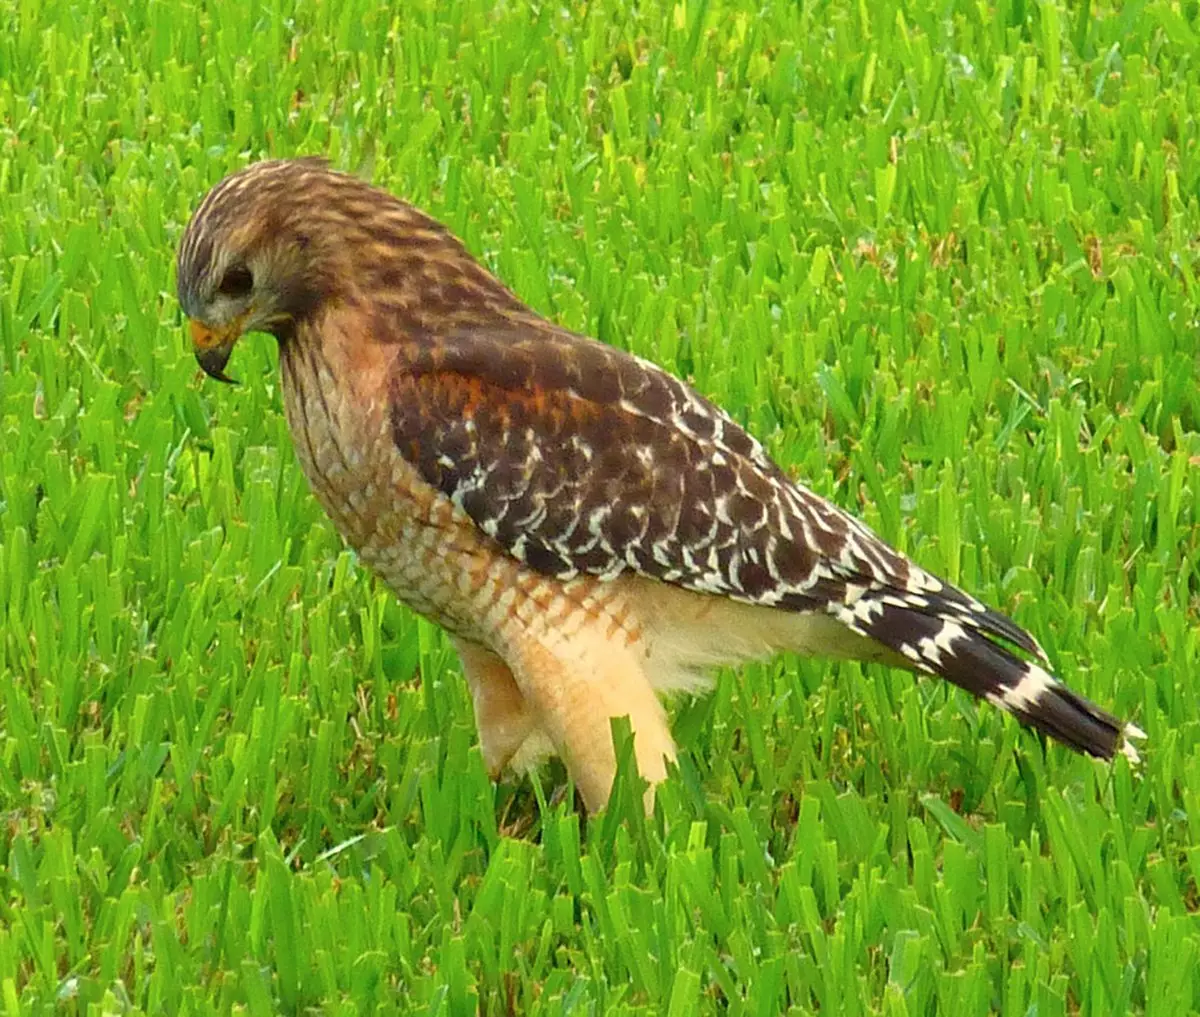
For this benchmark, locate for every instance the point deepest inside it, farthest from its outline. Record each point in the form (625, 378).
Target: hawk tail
(947, 645)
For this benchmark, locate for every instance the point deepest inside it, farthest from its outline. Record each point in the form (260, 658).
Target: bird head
(256, 257)
(274, 245)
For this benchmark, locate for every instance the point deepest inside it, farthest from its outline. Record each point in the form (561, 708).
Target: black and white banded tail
(955, 637)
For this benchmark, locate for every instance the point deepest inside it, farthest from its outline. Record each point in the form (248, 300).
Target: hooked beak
(214, 346)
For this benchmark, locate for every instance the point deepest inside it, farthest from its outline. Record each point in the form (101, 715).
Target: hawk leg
(575, 693)
(502, 716)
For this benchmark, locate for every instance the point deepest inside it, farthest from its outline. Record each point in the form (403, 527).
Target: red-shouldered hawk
(589, 530)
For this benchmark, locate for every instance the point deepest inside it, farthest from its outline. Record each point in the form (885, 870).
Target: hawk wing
(578, 458)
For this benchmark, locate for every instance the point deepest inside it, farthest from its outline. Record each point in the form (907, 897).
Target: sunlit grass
(943, 263)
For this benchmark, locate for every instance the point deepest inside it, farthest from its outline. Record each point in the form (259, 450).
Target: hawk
(589, 530)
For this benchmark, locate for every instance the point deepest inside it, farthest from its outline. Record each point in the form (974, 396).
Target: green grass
(944, 263)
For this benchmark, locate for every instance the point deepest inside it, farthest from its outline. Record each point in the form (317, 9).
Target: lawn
(943, 262)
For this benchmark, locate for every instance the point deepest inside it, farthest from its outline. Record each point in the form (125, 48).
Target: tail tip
(1130, 734)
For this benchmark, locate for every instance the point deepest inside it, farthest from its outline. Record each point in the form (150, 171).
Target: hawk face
(276, 245)
(249, 260)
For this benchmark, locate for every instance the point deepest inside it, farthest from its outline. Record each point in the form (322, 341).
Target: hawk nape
(589, 530)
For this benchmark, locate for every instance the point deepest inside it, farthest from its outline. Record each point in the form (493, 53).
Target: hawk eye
(238, 281)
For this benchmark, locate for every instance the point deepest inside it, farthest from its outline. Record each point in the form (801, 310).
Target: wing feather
(579, 458)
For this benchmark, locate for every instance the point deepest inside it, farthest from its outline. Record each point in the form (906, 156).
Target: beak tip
(212, 362)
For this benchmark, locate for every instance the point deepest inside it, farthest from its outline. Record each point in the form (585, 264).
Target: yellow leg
(502, 716)
(575, 688)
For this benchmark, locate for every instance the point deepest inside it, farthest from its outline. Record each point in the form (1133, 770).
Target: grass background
(943, 261)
